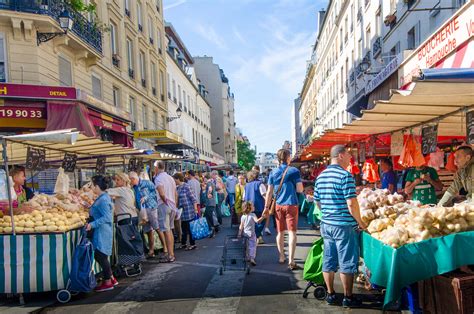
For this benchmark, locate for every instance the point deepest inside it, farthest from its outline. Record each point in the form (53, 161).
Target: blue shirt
(253, 195)
(102, 214)
(388, 178)
(186, 201)
(287, 195)
(230, 184)
(146, 189)
(333, 187)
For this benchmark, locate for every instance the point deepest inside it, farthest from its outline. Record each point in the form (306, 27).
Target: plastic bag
(371, 171)
(199, 228)
(225, 210)
(437, 159)
(450, 165)
(411, 155)
(62, 183)
(142, 216)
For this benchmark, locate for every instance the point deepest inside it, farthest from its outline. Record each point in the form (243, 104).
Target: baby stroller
(81, 277)
(313, 271)
(129, 247)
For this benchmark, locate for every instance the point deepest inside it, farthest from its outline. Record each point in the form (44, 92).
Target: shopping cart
(128, 247)
(234, 255)
(313, 273)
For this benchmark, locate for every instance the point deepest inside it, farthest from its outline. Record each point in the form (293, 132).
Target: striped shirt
(333, 187)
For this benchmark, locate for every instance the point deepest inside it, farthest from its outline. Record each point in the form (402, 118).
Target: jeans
(186, 228)
(259, 226)
(231, 199)
(103, 261)
(208, 214)
(220, 199)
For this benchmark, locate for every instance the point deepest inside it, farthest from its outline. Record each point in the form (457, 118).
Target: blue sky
(262, 46)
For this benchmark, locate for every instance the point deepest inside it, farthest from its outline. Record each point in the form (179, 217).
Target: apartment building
(110, 65)
(186, 96)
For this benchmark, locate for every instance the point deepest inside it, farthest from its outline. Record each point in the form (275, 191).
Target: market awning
(358, 105)
(442, 102)
(463, 75)
(165, 139)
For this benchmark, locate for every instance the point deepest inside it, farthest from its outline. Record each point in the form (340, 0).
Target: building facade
(113, 58)
(188, 94)
(359, 54)
(267, 161)
(221, 99)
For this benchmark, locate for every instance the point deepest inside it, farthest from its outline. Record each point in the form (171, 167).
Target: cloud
(173, 5)
(239, 36)
(210, 34)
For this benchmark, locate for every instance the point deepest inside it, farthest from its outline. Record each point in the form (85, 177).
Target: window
(393, 6)
(131, 108)
(139, 17)
(162, 85)
(411, 38)
(179, 94)
(127, 7)
(155, 120)
(163, 122)
(3, 63)
(367, 37)
(130, 57)
(184, 101)
(342, 79)
(96, 86)
(65, 72)
(174, 90)
(116, 96)
(142, 68)
(151, 33)
(378, 22)
(153, 78)
(159, 41)
(113, 38)
(144, 117)
(395, 49)
(359, 49)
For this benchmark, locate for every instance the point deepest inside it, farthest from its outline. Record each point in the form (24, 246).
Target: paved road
(193, 285)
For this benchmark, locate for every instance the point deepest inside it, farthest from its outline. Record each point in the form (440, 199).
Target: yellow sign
(158, 134)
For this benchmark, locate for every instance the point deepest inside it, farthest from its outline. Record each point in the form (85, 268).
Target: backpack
(82, 278)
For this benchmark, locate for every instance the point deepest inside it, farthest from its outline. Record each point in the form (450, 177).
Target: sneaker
(267, 231)
(260, 240)
(331, 299)
(104, 287)
(114, 281)
(351, 302)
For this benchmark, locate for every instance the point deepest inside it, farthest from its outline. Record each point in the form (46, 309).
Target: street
(193, 285)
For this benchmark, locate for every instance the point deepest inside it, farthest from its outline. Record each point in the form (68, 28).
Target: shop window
(116, 96)
(65, 72)
(96, 86)
(3, 61)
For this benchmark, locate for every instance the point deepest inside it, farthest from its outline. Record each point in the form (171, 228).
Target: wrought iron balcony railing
(377, 46)
(84, 29)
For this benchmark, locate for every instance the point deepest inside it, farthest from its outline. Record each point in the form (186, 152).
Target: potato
(19, 229)
(29, 230)
(41, 229)
(7, 230)
(52, 228)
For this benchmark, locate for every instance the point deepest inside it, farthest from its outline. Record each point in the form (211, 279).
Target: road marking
(252, 270)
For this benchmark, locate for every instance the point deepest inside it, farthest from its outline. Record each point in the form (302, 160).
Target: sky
(262, 46)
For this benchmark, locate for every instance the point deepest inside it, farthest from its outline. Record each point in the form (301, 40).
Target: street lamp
(65, 22)
(178, 115)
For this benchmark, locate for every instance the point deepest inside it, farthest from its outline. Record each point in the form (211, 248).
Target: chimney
(321, 15)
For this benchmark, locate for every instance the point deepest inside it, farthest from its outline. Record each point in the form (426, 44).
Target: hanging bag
(274, 198)
(199, 228)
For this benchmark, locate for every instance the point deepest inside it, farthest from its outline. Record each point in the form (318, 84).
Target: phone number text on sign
(22, 113)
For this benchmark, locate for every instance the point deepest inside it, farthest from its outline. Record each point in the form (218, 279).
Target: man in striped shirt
(335, 195)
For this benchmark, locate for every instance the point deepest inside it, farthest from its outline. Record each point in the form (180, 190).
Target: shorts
(286, 217)
(341, 248)
(152, 223)
(165, 217)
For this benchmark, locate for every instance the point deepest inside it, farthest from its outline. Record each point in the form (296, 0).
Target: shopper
(389, 178)
(195, 186)
(286, 213)
(463, 158)
(247, 227)
(239, 195)
(255, 192)
(210, 196)
(100, 222)
(422, 184)
(124, 200)
(167, 196)
(146, 198)
(335, 194)
(230, 184)
(188, 202)
(221, 193)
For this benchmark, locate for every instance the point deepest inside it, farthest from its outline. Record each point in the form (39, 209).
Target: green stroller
(313, 271)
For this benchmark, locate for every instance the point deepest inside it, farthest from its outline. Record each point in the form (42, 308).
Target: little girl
(247, 226)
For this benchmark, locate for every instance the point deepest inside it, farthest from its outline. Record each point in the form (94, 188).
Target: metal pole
(10, 202)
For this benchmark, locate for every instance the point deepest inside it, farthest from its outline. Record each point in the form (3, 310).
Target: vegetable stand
(397, 268)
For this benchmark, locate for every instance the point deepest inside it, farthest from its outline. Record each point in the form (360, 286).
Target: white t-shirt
(196, 189)
(249, 224)
(169, 187)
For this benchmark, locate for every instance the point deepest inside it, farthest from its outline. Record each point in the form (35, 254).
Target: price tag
(100, 165)
(470, 127)
(396, 145)
(69, 162)
(35, 158)
(429, 139)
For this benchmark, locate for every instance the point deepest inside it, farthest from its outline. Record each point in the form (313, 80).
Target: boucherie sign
(456, 31)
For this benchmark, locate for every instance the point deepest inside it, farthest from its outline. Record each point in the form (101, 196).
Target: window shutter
(65, 72)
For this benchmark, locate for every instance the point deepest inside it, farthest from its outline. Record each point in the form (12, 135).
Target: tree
(246, 156)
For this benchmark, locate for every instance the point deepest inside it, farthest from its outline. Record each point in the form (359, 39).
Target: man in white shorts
(167, 196)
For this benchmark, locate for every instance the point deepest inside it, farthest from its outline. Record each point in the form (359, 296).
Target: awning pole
(10, 202)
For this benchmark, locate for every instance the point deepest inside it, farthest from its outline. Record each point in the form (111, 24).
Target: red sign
(36, 91)
(22, 113)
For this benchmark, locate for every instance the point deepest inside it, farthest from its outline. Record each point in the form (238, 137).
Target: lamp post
(178, 115)
(65, 22)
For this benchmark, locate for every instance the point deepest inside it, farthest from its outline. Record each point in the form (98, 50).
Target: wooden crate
(449, 293)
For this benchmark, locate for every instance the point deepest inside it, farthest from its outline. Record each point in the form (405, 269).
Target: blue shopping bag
(225, 210)
(82, 278)
(199, 228)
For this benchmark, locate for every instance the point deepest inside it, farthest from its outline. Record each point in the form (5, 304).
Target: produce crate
(448, 293)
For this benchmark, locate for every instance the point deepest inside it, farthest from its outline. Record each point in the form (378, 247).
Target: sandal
(150, 255)
(189, 248)
(282, 260)
(293, 266)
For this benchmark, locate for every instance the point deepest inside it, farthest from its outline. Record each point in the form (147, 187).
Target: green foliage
(80, 6)
(246, 156)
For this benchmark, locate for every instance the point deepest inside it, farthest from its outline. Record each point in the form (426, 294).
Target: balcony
(131, 73)
(151, 41)
(162, 97)
(116, 60)
(127, 12)
(377, 47)
(143, 82)
(85, 30)
(359, 15)
(153, 91)
(140, 27)
(352, 77)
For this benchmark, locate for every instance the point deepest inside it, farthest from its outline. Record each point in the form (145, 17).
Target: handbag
(274, 198)
(199, 228)
(142, 216)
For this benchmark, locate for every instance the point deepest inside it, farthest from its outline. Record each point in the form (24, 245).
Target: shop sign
(159, 134)
(429, 139)
(391, 67)
(396, 144)
(22, 112)
(36, 91)
(447, 39)
(470, 127)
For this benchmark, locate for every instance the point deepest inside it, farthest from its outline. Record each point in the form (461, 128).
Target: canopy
(459, 74)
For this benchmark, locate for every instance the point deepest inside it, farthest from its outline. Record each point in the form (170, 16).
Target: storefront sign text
(391, 67)
(22, 113)
(36, 91)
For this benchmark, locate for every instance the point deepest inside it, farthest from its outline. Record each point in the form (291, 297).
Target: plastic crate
(448, 293)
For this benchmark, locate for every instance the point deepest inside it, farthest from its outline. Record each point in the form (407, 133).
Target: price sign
(396, 145)
(429, 139)
(470, 127)
(69, 162)
(35, 158)
(100, 165)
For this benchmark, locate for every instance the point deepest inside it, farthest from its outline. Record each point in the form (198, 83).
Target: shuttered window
(96, 86)
(65, 72)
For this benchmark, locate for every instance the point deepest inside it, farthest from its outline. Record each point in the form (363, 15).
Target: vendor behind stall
(422, 184)
(389, 178)
(464, 176)
(23, 194)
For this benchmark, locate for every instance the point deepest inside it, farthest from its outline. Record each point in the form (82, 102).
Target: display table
(36, 262)
(398, 268)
